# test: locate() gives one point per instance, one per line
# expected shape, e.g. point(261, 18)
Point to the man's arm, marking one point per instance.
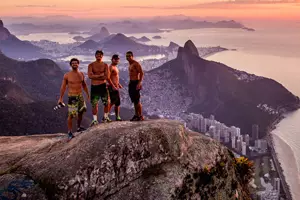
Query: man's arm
point(107, 75)
point(140, 71)
point(84, 85)
point(93, 76)
point(63, 88)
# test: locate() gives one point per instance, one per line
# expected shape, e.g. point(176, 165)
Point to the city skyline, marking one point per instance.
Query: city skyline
point(251, 9)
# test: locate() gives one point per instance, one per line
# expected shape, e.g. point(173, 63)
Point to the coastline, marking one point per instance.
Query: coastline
point(278, 166)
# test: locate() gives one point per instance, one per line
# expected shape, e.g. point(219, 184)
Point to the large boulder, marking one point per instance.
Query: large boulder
point(150, 160)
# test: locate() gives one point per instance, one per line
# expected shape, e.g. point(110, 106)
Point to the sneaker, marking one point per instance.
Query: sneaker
point(80, 129)
point(141, 118)
point(94, 122)
point(70, 135)
point(134, 118)
point(118, 118)
point(106, 119)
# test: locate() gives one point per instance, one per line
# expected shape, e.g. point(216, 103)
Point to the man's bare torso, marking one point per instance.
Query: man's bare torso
point(98, 68)
point(74, 82)
point(133, 71)
point(114, 75)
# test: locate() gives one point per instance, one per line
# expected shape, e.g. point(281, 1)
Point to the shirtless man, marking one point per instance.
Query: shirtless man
point(76, 105)
point(136, 76)
point(114, 94)
point(99, 74)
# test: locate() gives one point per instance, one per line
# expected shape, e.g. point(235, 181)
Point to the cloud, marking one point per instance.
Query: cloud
point(35, 6)
point(222, 4)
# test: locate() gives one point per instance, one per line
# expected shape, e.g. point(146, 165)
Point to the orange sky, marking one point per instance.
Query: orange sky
point(116, 8)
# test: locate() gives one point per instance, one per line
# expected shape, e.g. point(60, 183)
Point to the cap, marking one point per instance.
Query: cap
point(115, 57)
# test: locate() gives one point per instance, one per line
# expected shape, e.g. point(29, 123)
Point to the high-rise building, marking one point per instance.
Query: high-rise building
point(244, 148)
point(212, 131)
point(276, 185)
point(255, 132)
point(238, 145)
point(212, 117)
point(233, 142)
point(247, 139)
point(203, 125)
point(233, 131)
point(208, 123)
point(238, 131)
point(264, 145)
point(226, 136)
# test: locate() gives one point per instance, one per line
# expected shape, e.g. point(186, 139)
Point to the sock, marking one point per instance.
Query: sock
point(95, 117)
point(105, 115)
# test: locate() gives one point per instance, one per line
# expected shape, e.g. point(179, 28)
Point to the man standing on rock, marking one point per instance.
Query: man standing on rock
point(136, 76)
point(99, 74)
point(76, 105)
point(115, 94)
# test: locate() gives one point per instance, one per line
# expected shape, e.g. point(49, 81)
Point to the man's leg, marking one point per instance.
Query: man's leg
point(79, 119)
point(104, 98)
point(139, 109)
point(70, 118)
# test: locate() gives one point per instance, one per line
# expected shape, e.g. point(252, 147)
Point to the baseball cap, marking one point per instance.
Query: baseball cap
point(115, 56)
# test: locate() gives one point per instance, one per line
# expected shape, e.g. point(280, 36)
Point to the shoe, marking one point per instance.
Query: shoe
point(134, 118)
point(70, 135)
point(141, 118)
point(94, 122)
point(118, 118)
point(80, 129)
point(106, 119)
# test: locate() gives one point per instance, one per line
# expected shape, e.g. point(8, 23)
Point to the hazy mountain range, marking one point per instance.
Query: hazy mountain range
point(70, 24)
point(13, 47)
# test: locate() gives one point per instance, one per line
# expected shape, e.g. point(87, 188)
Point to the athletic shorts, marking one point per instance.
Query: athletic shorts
point(114, 96)
point(99, 92)
point(133, 92)
point(76, 105)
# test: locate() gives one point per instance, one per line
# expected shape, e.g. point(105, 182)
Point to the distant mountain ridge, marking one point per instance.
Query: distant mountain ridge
point(119, 43)
point(15, 48)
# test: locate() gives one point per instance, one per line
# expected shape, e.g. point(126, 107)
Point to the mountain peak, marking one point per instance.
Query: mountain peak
point(1, 23)
point(104, 31)
point(190, 47)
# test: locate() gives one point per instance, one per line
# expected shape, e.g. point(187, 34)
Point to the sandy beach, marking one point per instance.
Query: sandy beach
point(288, 163)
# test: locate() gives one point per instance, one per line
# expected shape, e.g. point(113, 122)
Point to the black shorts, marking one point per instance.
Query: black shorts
point(133, 92)
point(99, 92)
point(114, 96)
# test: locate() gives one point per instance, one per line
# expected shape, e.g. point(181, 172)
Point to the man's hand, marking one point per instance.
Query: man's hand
point(60, 101)
point(120, 86)
point(114, 87)
point(139, 86)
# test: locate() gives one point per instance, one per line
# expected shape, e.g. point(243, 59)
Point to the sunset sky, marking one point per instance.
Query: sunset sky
point(133, 8)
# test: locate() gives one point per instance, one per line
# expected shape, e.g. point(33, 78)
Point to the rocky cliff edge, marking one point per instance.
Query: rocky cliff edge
point(150, 160)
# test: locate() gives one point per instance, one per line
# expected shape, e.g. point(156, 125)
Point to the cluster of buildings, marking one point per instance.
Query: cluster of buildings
point(231, 136)
point(272, 191)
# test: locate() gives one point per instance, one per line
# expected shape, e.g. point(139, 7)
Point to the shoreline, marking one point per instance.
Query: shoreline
point(274, 155)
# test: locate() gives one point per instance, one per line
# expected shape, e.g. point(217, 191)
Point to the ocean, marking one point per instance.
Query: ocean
point(270, 51)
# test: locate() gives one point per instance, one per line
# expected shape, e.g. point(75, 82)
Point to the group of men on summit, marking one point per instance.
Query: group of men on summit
point(105, 85)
